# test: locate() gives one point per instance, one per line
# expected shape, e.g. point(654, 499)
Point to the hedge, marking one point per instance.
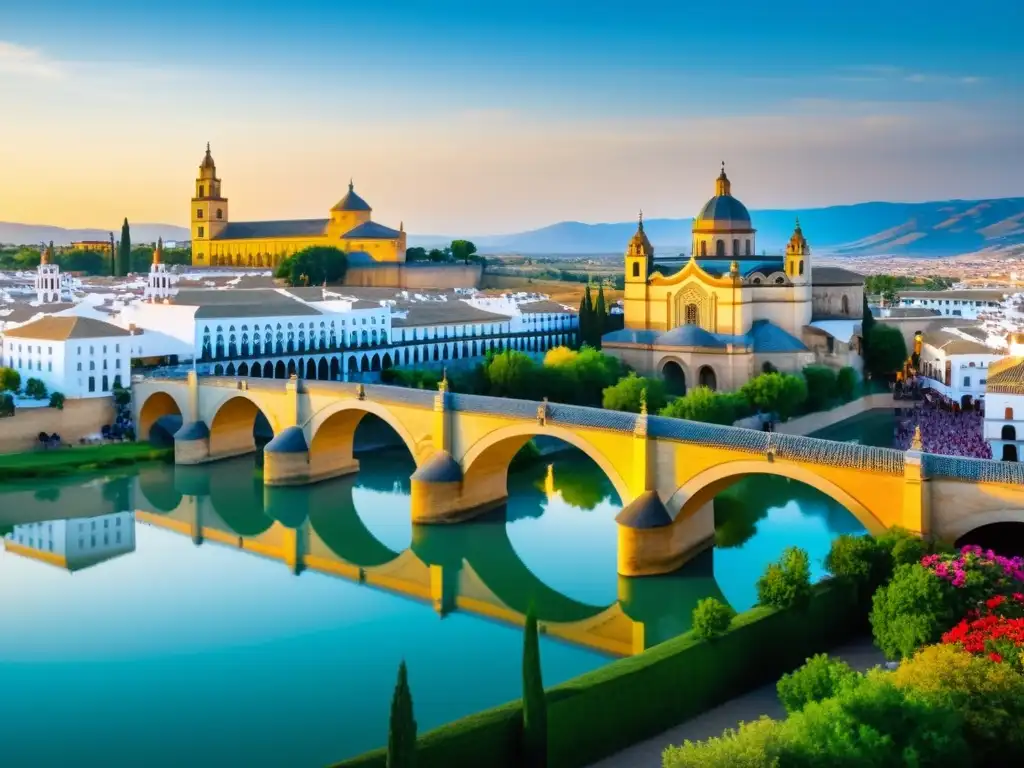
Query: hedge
point(55, 462)
point(632, 699)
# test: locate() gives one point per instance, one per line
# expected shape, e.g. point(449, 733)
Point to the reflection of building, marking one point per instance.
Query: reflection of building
point(729, 312)
point(1004, 403)
point(218, 241)
point(74, 544)
point(77, 356)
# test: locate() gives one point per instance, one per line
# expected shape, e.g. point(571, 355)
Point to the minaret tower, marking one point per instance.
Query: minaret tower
point(48, 288)
point(160, 280)
point(639, 263)
point(798, 257)
point(209, 212)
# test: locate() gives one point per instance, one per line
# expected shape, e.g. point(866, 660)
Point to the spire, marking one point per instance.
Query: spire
point(158, 251)
point(722, 184)
point(640, 226)
point(401, 226)
point(207, 158)
point(351, 186)
point(797, 245)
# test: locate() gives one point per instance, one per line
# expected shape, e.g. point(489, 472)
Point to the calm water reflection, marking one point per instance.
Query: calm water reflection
point(186, 641)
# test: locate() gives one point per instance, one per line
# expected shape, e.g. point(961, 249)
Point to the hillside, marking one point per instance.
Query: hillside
point(32, 234)
point(942, 228)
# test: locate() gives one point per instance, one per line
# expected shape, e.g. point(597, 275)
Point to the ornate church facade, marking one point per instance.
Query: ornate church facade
point(729, 314)
point(218, 241)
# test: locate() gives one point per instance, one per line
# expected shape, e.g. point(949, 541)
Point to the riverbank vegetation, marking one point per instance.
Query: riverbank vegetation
point(61, 461)
point(954, 619)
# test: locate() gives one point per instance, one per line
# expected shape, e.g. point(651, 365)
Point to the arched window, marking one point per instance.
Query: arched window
point(1009, 432)
point(845, 302)
point(636, 269)
point(202, 191)
point(692, 314)
point(703, 248)
point(720, 248)
point(220, 213)
point(1008, 415)
point(199, 213)
point(735, 247)
point(844, 298)
point(707, 378)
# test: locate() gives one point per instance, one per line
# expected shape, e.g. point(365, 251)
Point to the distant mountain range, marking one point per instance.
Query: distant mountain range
point(941, 228)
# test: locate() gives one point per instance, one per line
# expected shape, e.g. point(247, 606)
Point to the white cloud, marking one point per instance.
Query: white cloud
point(28, 62)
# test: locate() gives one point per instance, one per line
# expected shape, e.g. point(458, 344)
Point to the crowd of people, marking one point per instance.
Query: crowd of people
point(945, 429)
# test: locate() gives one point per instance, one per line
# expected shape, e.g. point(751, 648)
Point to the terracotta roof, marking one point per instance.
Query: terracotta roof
point(67, 327)
point(1006, 376)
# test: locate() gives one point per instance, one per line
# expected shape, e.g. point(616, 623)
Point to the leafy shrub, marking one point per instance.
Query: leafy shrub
point(846, 383)
point(821, 386)
point(753, 745)
point(988, 697)
point(703, 404)
point(859, 561)
point(819, 678)
point(35, 388)
point(910, 611)
point(711, 618)
point(10, 380)
point(787, 583)
point(57, 400)
point(6, 404)
point(627, 393)
point(779, 393)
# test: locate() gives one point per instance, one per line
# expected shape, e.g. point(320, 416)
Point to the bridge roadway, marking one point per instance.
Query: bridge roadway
point(666, 471)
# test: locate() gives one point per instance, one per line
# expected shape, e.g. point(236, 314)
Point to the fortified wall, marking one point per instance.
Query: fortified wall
point(414, 275)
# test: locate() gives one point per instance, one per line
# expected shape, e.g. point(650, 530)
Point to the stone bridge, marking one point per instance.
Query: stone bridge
point(666, 471)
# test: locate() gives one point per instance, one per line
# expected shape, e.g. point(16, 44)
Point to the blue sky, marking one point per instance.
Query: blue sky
point(483, 117)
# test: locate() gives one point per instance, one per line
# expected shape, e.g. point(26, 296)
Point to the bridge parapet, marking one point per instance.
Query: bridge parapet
point(973, 470)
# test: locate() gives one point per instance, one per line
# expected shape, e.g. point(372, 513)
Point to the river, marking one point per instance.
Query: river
point(174, 616)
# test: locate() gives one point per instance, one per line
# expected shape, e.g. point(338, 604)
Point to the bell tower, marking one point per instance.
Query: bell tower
point(798, 257)
point(209, 212)
point(639, 261)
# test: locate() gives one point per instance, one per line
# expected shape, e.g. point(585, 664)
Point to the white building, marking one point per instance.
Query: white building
point(957, 303)
point(956, 365)
point(160, 284)
point(77, 356)
point(74, 544)
point(1004, 403)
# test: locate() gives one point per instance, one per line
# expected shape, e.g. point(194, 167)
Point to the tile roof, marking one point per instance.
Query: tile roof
point(766, 337)
point(442, 313)
point(252, 230)
point(1006, 376)
point(835, 276)
point(953, 344)
point(371, 230)
point(243, 302)
point(969, 295)
point(61, 328)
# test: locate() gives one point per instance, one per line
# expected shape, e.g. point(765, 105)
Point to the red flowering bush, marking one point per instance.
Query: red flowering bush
point(998, 633)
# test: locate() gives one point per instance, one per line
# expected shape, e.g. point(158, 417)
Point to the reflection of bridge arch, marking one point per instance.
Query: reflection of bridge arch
point(343, 532)
point(486, 462)
point(158, 406)
point(156, 484)
point(693, 495)
point(233, 425)
point(237, 498)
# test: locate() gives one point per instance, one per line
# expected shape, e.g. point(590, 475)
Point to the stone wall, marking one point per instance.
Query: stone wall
point(414, 276)
point(80, 418)
point(815, 422)
point(827, 301)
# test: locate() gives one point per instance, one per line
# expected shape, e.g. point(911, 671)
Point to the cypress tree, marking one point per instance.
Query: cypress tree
point(866, 324)
point(402, 726)
point(124, 253)
point(582, 321)
point(587, 329)
point(600, 318)
point(535, 709)
point(113, 256)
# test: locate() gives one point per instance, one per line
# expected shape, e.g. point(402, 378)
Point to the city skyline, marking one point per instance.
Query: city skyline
point(462, 119)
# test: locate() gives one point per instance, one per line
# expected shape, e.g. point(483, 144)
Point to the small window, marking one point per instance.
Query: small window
point(220, 213)
point(201, 235)
point(202, 191)
point(199, 213)
point(636, 269)
point(967, 381)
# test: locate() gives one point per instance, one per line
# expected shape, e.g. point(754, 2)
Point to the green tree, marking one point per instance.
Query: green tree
point(786, 583)
point(10, 380)
point(35, 388)
point(535, 710)
point(416, 254)
point(124, 250)
point(511, 374)
point(819, 678)
point(886, 351)
point(821, 386)
point(703, 404)
point(402, 726)
point(910, 611)
point(867, 323)
point(315, 265)
point(860, 562)
point(87, 262)
point(626, 394)
point(57, 401)
point(600, 318)
point(779, 393)
point(436, 254)
point(711, 618)
point(586, 322)
point(6, 404)
point(461, 250)
point(846, 383)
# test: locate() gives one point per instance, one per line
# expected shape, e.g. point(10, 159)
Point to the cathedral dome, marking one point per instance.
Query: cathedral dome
point(351, 201)
point(723, 212)
point(208, 158)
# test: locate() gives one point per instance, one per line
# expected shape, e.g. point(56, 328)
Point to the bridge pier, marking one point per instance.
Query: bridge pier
point(192, 443)
point(652, 543)
point(439, 493)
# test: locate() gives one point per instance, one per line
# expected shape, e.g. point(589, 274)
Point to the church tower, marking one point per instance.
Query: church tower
point(160, 280)
point(48, 281)
point(798, 257)
point(639, 264)
point(209, 212)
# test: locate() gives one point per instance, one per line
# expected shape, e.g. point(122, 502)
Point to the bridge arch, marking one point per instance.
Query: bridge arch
point(485, 464)
point(962, 526)
point(332, 432)
point(160, 408)
point(703, 487)
point(232, 428)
